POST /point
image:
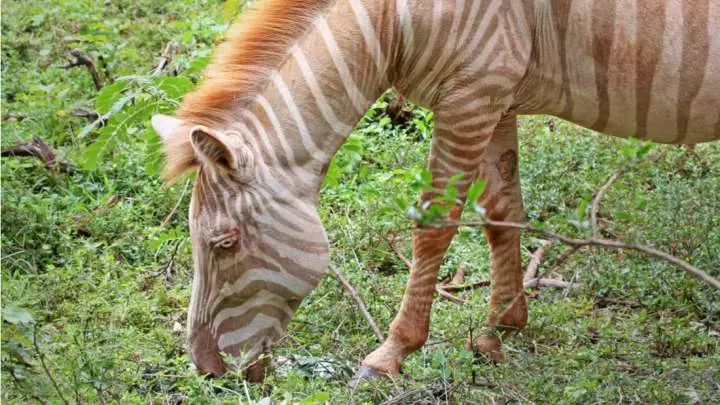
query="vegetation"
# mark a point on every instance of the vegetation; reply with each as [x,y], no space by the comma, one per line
[96,274]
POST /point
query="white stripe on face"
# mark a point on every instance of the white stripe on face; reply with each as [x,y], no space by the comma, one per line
[259,299]
[299,288]
[239,336]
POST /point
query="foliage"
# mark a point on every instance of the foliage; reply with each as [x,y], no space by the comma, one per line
[95,289]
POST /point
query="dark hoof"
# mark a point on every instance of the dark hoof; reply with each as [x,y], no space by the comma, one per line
[364,373]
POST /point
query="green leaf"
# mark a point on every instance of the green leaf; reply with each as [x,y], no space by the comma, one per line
[581,209]
[475,191]
[175,87]
[316,398]
[109,95]
[16,315]
[231,8]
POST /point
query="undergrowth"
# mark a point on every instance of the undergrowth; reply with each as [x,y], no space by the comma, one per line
[96,280]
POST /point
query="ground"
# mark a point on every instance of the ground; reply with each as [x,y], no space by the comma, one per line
[96,277]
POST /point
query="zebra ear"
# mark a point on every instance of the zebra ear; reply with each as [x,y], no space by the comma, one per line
[221,150]
[165,125]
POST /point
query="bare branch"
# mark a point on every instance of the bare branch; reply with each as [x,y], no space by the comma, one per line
[440,289]
[80,58]
[575,242]
[359,303]
[537,256]
[39,149]
[547,282]
[595,205]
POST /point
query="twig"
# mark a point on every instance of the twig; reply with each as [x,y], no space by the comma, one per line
[459,276]
[606,243]
[84,113]
[167,56]
[359,302]
[595,205]
[80,58]
[398,252]
[38,148]
[169,217]
[547,282]
[470,286]
[41,356]
[537,256]
[440,289]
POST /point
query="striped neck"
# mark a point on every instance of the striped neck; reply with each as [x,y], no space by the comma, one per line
[312,101]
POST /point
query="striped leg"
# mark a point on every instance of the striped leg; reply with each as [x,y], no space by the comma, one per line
[457,148]
[502,201]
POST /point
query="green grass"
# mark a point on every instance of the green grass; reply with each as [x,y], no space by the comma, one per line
[92,273]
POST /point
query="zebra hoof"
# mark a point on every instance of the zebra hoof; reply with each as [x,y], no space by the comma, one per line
[365,374]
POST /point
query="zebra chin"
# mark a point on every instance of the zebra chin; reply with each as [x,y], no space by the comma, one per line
[206,356]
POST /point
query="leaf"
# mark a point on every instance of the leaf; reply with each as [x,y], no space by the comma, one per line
[231,8]
[475,191]
[16,315]
[175,87]
[109,95]
[316,398]
[581,209]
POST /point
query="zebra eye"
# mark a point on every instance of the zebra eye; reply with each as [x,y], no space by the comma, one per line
[226,244]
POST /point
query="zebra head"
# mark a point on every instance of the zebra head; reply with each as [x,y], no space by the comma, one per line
[258,247]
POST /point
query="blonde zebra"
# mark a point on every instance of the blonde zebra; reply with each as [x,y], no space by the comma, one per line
[293,77]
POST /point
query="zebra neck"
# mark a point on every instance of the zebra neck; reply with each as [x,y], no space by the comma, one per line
[313,100]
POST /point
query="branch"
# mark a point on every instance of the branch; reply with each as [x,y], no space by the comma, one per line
[575,242]
[167,56]
[595,205]
[359,302]
[41,356]
[39,149]
[537,256]
[80,58]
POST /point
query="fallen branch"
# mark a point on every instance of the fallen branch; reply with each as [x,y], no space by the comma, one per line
[547,282]
[576,242]
[441,290]
[535,260]
[359,302]
[39,149]
[80,58]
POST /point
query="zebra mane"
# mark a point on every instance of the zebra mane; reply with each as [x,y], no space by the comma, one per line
[253,47]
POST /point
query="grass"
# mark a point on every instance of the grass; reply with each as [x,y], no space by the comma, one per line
[94,288]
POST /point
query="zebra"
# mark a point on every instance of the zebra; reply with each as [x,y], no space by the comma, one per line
[292,78]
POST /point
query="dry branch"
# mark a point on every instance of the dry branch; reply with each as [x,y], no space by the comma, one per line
[576,242]
[359,303]
[39,149]
[537,256]
[80,58]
